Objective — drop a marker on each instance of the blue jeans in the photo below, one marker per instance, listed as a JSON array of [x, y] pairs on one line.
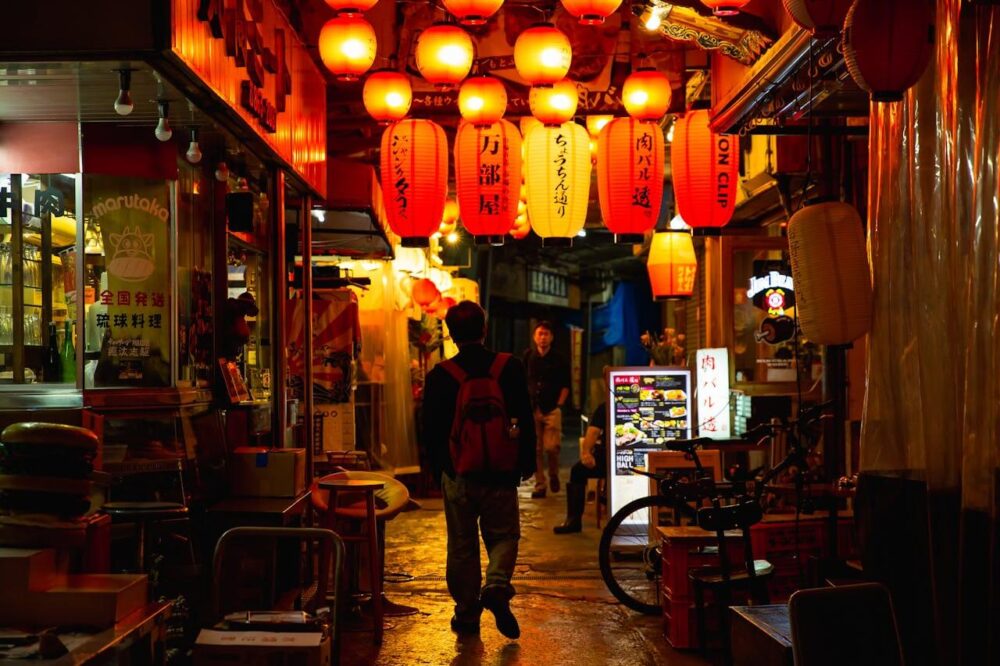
[[471, 507]]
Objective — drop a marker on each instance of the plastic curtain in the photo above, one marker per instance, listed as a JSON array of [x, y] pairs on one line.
[[933, 399]]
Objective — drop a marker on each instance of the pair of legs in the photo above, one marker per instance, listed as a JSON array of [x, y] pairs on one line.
[[470, 509], [548, 432], [576, 494]]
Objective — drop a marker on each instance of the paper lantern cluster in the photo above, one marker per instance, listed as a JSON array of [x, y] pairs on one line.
[[833, 290], [672, 265], [557, 174], [414, 170], [705, 170], [487, 178], [821, 17], [630, 177]]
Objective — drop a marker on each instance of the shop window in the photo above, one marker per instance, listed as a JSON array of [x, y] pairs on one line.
[[194, 279], [248, 281]]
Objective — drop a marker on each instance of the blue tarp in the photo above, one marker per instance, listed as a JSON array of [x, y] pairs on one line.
[[620, 322]]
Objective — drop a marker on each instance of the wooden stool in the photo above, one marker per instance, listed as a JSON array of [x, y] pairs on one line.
[[368, 487]]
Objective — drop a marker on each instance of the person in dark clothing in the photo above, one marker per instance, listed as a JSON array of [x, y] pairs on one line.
[[548, 382], [593, 464], [485, 500]]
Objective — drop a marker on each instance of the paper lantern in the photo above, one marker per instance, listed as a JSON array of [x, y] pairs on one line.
[[347, 47], [424, 292], [821, 17], [387, 95], [472, 12], [646, 94], [443, 305], [725, 7], [555, 104], [705, 171], [350, 7], [487, 178], [557, 176], [596, 123], [630, 177], [672, 265], [482, 100], [414, 179], [542, 55], [449, 219], [521, 229], [444, 54], [888, 44], [833, 290], [591, 12]]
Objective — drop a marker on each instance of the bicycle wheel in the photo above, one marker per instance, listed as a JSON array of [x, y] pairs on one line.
[[629, 554]]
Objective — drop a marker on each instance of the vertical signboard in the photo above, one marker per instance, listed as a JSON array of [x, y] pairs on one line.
[[713, 393]]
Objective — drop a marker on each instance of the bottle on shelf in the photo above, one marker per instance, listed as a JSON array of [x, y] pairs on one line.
[[68, 356], [52, 365]]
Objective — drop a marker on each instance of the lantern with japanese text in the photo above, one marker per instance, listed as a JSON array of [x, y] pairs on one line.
[[821, 17], [672, 265], [482, 100], [487, 178], [591, 12], [705, 169], [888, 44], [557, 175], [646, 94], [350, 7], [387, 95], [444, 54], [630, 177], [542, 54], [555, 104], [472, 12], [725, 7], [833, 289], [424, 292], [347, 46], [414, 179]]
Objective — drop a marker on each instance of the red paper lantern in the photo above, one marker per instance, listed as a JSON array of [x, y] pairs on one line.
[[414, 179], [591, 12], [646, 94], [444, 54], [446, 303], [482, 100], [555, 104], [387, 95], [350, 7], [888, 44], [821, 17], [725, 7], [542, 55], [424, 292], [630, 177], [488, 178], [705, 169], [472, 12], [347, 46], [672, 265]]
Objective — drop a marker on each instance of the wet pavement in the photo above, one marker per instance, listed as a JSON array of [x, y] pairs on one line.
[[566, 614]]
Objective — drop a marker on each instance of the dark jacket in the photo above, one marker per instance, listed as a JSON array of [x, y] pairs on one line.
[[547, 376], [441, 394]]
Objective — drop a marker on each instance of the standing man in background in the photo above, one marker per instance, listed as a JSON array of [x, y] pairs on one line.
[[548, 383]]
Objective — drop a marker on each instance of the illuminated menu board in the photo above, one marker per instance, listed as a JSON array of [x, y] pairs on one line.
[[647, 407]]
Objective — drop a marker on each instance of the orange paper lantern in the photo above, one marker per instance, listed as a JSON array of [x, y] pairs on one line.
[[414, 179], [424, 292], [444, 54], [630, 177], [542, 54], [557, 176], [482, 100], [705, 171], [672, 265], [555, 104], [888, 44], [472, 12], [821, 17], [646, 94], [446, 303], [725, 7], [350, 7], [487, 178], [347, 47], [591, 12], [387, 95]]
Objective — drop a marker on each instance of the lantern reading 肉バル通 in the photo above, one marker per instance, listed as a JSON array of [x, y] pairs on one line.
[[347, 47], [482, 100], [630, 177], [414, 170], [672, 265], [542, 55], [557, 176], [555, 104], [444, 54], [488, 178], [387, 95], [705, 171]]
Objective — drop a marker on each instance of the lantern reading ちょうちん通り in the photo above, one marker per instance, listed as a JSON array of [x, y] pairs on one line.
[[542, 54], [557, 176], [488, 178], [350, 7], [555, 104], [444, 54], [347, 46], [725, 7], [424, 292], [646, 94], [705, 171], [591, 12], [414, 174], [387, 95], [482, 100], [630, 177], [472, 12], [888, 44], [672, 265], [821, 17], [833, 289]]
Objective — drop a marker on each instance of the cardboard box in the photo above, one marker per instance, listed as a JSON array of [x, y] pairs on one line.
[[260, 472], [261, 648]]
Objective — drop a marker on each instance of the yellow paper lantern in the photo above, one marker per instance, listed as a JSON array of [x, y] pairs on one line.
[[630, 177], [444, 54], [542, 54], [833, 289], [482, 100], [347, 46], [554, 104], [646, 94], [672, 265], [387, 95], [557, 175]]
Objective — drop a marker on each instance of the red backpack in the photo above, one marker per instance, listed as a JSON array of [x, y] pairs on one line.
[[480, 433]]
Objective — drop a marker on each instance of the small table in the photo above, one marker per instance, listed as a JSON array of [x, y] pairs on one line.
[[368, 487], [263, 511], [761, 635]]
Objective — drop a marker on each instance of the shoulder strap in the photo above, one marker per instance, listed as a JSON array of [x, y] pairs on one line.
[[499, 363], [454, 369]]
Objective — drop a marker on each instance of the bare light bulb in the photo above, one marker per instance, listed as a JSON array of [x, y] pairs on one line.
[[123, 104], [163, 130], [193, 153]]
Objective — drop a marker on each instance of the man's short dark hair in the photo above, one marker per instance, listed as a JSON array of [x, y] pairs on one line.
[[466, 322], [547, 325]]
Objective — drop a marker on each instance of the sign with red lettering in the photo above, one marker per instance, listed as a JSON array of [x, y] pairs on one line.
[[713, 393]]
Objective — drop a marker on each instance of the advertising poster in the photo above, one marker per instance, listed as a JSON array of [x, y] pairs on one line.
[[647, 407], [713, 393]]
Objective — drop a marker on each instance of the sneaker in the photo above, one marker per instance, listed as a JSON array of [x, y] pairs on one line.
[[497, 601], [554, 484], [538, 494], [464, 627]]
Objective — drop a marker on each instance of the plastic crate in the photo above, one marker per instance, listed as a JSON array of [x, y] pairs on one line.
[[688, 550], [768, 538]]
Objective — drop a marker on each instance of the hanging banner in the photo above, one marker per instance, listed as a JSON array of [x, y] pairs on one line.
[[713, 393]]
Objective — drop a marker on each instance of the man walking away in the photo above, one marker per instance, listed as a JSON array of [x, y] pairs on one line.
[[476, 426], [548, 382]]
